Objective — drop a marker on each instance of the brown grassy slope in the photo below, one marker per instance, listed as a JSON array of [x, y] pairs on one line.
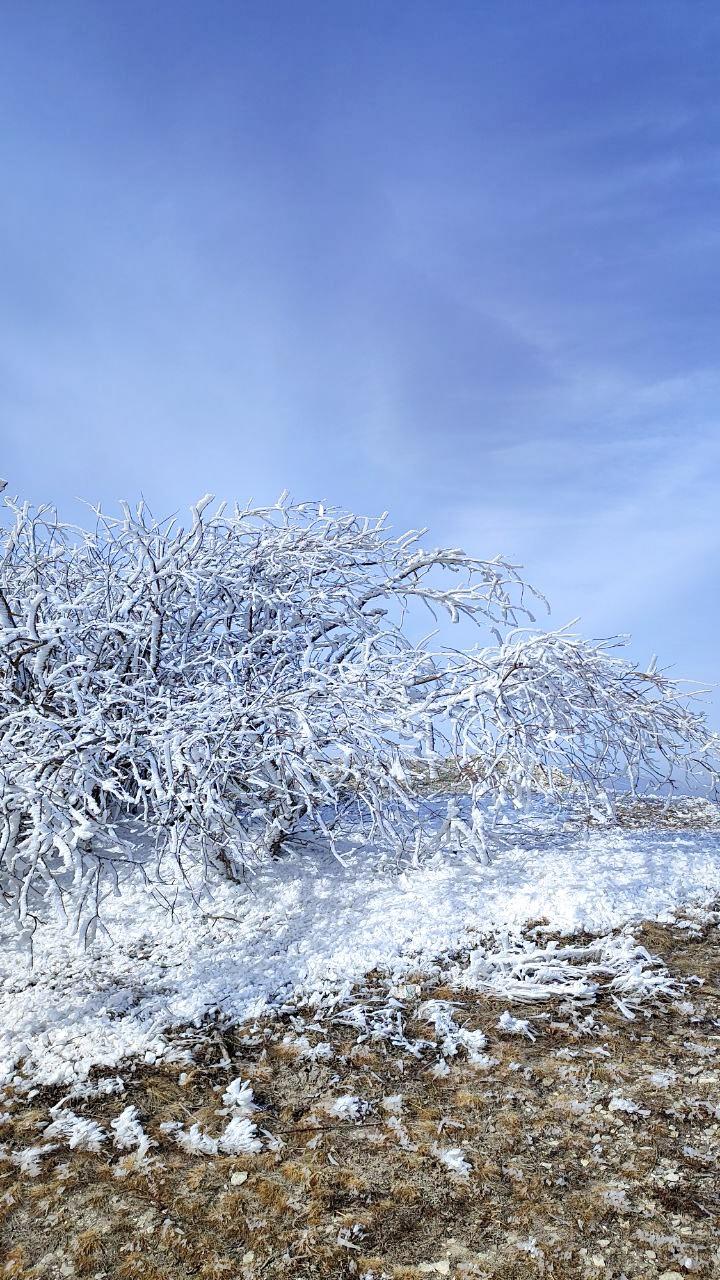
[[563, 1181]]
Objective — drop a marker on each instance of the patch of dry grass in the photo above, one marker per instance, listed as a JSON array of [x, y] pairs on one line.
[[567, 1179], [679, 813]]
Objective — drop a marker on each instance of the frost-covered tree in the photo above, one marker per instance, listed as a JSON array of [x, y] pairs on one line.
[[227, 687]]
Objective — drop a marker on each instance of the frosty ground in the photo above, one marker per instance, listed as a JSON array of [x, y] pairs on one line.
[[311, 927], [279, 1077]]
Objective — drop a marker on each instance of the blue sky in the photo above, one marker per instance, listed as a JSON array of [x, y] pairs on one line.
[[455, 260]]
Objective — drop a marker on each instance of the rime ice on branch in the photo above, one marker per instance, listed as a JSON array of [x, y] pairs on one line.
[[229, 684]]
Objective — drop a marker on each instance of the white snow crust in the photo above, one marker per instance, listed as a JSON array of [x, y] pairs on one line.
[[308, 927]]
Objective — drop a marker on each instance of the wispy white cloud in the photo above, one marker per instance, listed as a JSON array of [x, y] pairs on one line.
[[460, 267]]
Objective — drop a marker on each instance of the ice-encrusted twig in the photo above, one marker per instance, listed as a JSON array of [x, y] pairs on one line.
[[520, 969]]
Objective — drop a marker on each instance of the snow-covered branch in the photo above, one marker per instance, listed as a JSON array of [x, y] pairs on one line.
[[222, 686]]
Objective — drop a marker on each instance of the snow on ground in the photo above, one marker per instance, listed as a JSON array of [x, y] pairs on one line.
[[308, 926]]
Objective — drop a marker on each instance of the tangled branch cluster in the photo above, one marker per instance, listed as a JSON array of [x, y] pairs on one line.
[[229, 684]]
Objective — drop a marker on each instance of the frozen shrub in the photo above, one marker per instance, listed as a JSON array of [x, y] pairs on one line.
[[221, 688]]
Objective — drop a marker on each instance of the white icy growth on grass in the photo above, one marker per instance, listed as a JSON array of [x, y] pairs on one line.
[[376, 1020], [530, 1246], [348, 1107], [626, 1105], [398, 1129], [663, 1079], [617, 1198], [129, 1135], [127, 1130], [515, 1026], [302, 1046], [347, 1238], [454, 1160], [240, 1135], [80, 1133], [473, 1042], [447, 1122], [700, 1050], [239, 1138], [440, 1014], [310, 928], [272, 1141], [192, 1140], [694, 1154], [520, 968], [239, 1096], [103, 1088], [452, 1037], [578, 1107], [28, 1160]]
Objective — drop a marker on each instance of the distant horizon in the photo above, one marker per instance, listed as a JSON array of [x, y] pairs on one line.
[[458, 264]]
